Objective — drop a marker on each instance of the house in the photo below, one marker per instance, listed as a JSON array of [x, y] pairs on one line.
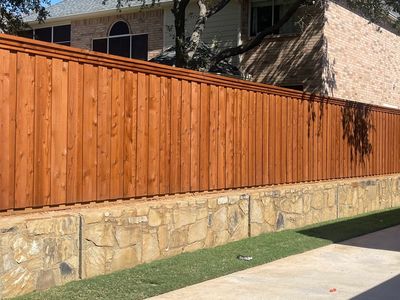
[[339, 53]]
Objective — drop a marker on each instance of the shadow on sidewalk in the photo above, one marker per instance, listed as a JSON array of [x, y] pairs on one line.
[[341, 232], [387, 290]]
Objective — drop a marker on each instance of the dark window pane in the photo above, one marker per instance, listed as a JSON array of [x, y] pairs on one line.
[[298, 87], [261, 19], [43, 34], [62, 33], [119, 28], [100, 45], [140, 46], [64, 43], [26, 34], [253, 21], [119, 46], [277, 10], [264, 17]]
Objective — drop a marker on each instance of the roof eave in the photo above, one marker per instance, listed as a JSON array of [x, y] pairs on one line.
[[103, 13]]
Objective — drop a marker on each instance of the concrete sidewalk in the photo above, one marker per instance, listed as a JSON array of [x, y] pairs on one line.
[[366, 267]]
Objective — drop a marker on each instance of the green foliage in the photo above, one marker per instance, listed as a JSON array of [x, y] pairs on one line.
[[13, 11], [378, 10], [162, 276]]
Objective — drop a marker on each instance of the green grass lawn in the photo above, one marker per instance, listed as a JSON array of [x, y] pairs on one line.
[[186, 269]]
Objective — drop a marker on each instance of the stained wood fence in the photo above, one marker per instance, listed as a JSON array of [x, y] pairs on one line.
[[78, 126]]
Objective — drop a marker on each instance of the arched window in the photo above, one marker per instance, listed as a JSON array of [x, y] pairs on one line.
[[119, 28], [120, 42]]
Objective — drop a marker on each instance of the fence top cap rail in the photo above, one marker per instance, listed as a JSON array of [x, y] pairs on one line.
[[52, 50]]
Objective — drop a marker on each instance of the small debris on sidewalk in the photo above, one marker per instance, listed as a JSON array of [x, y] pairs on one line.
[[332, 290], [243, 257]]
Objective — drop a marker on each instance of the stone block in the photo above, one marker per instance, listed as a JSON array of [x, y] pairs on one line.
[[92, 216], [167, 217], [17, 281], [219, 220], [101, 234], [269, 211], [222, 200], [197, 231], [45, 280], [209, 241], [155, 218], [66, 225], [40, 226], [150, 248], [128, 235], [244, 206], [7, 262], [202, 213], [184, 216], [241, 231], [25, 249], [221, 238], [233, 199], [292, 204], [212, 203], [124, 259], [193, 247], [317, 200], [138, 220], [95, 260], [257, 229], [234, 217], [178, 237], [163, 237], [256, 212]]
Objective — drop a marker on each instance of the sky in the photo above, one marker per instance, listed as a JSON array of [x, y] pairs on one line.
[[55, 1]]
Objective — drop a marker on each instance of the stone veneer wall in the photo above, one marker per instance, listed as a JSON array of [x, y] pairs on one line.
[[40, 250], [363, 58], [145, 21]]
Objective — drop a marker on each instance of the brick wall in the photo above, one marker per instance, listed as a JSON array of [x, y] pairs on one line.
[[363, 59], [146, 21], [287, 59]]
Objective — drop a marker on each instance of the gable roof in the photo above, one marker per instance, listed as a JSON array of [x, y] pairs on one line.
[[69, 8]]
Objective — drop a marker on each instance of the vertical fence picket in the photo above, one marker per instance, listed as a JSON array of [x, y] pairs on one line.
[[24, 141], [154, 135], [105, 125]]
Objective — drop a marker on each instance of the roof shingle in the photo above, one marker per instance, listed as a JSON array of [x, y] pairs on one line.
[[68, 8]]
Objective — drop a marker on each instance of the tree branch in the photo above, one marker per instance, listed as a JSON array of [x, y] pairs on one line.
[[258, 38], [217, 7], [179, 12], [199, 27]]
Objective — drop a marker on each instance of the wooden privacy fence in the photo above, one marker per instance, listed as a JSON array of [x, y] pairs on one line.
[[78, 126]]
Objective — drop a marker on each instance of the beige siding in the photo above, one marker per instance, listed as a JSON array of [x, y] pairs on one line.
[[363, 58], [221, 29]]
